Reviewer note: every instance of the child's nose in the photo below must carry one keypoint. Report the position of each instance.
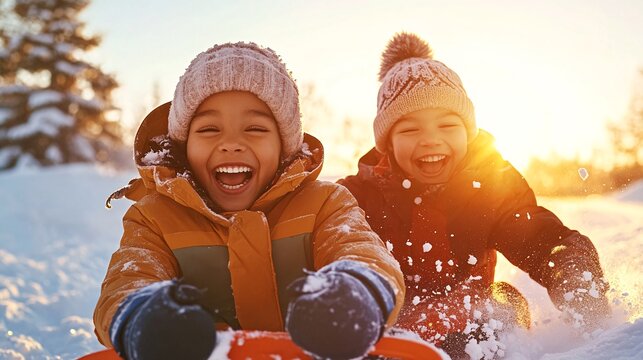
(429, 139)
(231, 146)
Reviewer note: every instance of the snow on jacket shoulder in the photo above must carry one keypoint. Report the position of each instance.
(246, 259)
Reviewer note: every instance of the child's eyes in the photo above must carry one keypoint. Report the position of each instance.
(260, 129)
(208, 129)
(212, 129)
(407, 131)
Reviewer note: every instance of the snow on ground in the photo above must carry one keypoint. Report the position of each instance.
(634, 192)
(56, 238)
(615, 225)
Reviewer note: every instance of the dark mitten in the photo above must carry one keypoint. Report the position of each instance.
(580, 294)
(339, 312)
(497, 309)
(583, 301)
(574, 279)
(163, 321)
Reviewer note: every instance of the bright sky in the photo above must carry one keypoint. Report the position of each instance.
(543, 76)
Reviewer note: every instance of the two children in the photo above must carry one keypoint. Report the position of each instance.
(444, 200)
(230, 225)
(228, 213)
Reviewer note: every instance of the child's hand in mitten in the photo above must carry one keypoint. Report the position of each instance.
(581, 297)
(163, 321)
(585, 307)
(339, 312)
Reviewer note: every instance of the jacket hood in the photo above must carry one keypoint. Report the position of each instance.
(156, 159)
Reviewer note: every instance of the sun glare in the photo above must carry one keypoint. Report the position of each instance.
(542, 116)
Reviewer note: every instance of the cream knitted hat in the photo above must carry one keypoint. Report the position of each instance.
(241, 67)
(412, 81)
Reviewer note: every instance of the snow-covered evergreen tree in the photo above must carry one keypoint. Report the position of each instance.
(54, 106)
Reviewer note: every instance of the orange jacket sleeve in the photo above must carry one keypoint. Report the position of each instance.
(141, 259)
(342, 233)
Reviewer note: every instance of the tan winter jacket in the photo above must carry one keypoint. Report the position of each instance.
(244, 259)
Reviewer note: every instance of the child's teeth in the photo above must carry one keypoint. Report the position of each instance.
(232, 187)
(233, 169)
(433, 158)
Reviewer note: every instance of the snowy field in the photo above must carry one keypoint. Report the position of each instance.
(56, 238)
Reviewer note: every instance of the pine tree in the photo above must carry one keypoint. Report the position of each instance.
(54, 106)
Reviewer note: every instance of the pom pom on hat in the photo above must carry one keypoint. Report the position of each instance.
(412, 81)
(401, 47)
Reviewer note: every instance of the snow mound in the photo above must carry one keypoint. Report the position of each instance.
(623, 342)
(634, 192)
(57, 238)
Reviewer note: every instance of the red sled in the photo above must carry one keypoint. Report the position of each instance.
(260, 345)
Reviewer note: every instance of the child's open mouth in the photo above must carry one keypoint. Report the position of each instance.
(233, 178)
(431, 165)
